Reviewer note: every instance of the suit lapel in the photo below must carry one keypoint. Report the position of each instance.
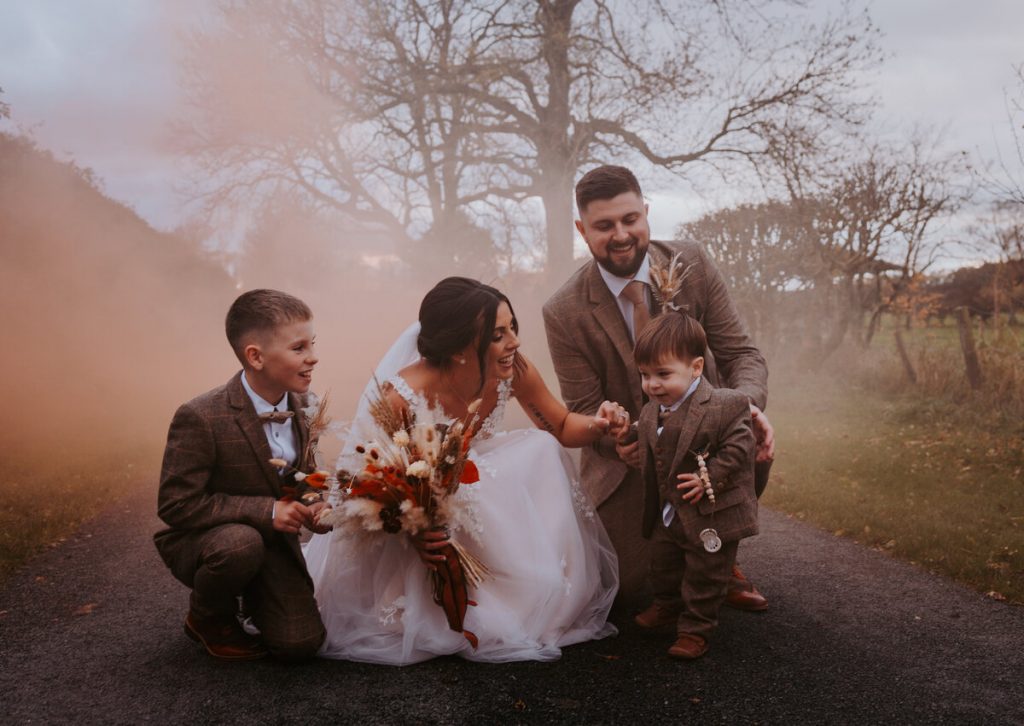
(608, 315)
(252, 428)
(648, 424)
(691, 415)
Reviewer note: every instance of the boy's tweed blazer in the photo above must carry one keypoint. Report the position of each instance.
(712, 420)
(593, 354)
(216, 469)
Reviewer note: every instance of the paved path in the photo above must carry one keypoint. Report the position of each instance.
(90, 632)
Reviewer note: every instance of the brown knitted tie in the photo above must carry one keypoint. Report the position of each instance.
(636, 293)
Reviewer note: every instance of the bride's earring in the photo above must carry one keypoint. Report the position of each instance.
(461, 361)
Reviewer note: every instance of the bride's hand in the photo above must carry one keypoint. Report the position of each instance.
(612, 418)
(427, 544)
(316, 511)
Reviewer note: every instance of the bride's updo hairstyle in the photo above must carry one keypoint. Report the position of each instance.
(456, 312)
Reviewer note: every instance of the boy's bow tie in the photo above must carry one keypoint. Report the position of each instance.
(276, 416)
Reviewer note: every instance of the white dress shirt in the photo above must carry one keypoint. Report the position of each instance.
(669, 511)
(280, 436)
(617, 284)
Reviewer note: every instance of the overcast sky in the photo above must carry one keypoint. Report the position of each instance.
(97, 81)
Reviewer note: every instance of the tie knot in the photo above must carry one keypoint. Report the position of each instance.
(636, 292)
(276, 416)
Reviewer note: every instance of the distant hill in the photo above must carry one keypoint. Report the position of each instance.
(108, 323)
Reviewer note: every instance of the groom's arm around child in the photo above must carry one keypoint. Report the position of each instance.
(228, 534)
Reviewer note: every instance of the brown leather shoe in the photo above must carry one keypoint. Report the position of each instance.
(224, 638)
(743, 595)
(658, 615)
(688, 647)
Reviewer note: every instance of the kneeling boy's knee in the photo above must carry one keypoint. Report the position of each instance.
(296, 650)
(239, 548)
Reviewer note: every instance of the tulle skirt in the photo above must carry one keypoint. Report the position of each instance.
(553, 572)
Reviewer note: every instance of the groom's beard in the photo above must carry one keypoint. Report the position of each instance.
(627, 268)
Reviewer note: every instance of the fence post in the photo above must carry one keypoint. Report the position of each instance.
(967, 344)
(904, 357)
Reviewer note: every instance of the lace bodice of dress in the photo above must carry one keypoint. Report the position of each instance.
(487, 428)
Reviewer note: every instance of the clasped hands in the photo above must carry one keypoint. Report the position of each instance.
(291, 516)
(612, 419)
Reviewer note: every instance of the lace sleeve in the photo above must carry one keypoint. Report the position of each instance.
(414, 399)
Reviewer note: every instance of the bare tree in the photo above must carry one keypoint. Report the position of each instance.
(406, 114)
(764, 253)
(1006, 182)
(850, 244)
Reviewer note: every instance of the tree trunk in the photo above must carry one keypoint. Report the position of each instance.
(873, 325)
(558, 227)
(967, 345)
(907, 366)
(557, 159)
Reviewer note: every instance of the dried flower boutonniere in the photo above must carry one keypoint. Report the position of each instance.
(667, 281)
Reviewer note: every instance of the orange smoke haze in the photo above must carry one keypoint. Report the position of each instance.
(109, 325)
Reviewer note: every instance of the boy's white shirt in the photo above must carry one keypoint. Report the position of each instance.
(669, 511)
(617, 284)
(280, 436)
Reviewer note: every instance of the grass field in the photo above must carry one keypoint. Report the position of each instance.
(45, 498)
(925, 479)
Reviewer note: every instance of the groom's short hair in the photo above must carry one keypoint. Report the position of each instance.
(605, 182)
(261, 311)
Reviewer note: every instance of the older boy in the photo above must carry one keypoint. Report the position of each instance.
(694, 525)
(229, 532)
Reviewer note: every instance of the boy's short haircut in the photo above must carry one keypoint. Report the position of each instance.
(671, 335)
(605, 182)
(261, 311)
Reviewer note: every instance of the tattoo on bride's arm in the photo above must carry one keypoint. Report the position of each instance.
(545, 424)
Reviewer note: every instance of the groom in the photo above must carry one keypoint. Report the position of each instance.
(591, 323)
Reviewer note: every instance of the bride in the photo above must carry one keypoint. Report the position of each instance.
(553, 572)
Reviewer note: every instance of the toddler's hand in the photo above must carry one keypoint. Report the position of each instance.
(692, 485)
(629, 453)
(611, 418)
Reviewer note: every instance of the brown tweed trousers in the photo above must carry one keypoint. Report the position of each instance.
(593, 358)
(683, 574)
(217, 492)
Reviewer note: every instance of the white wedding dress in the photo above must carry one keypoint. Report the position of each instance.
(553, 570)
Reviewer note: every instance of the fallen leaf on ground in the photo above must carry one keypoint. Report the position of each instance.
(608, 657)
(85, 609)
(519, 705)
(996, 595)
(695, 699)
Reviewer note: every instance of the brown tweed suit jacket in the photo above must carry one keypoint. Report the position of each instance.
(712, 420)
(216, 471)
(593, 354)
